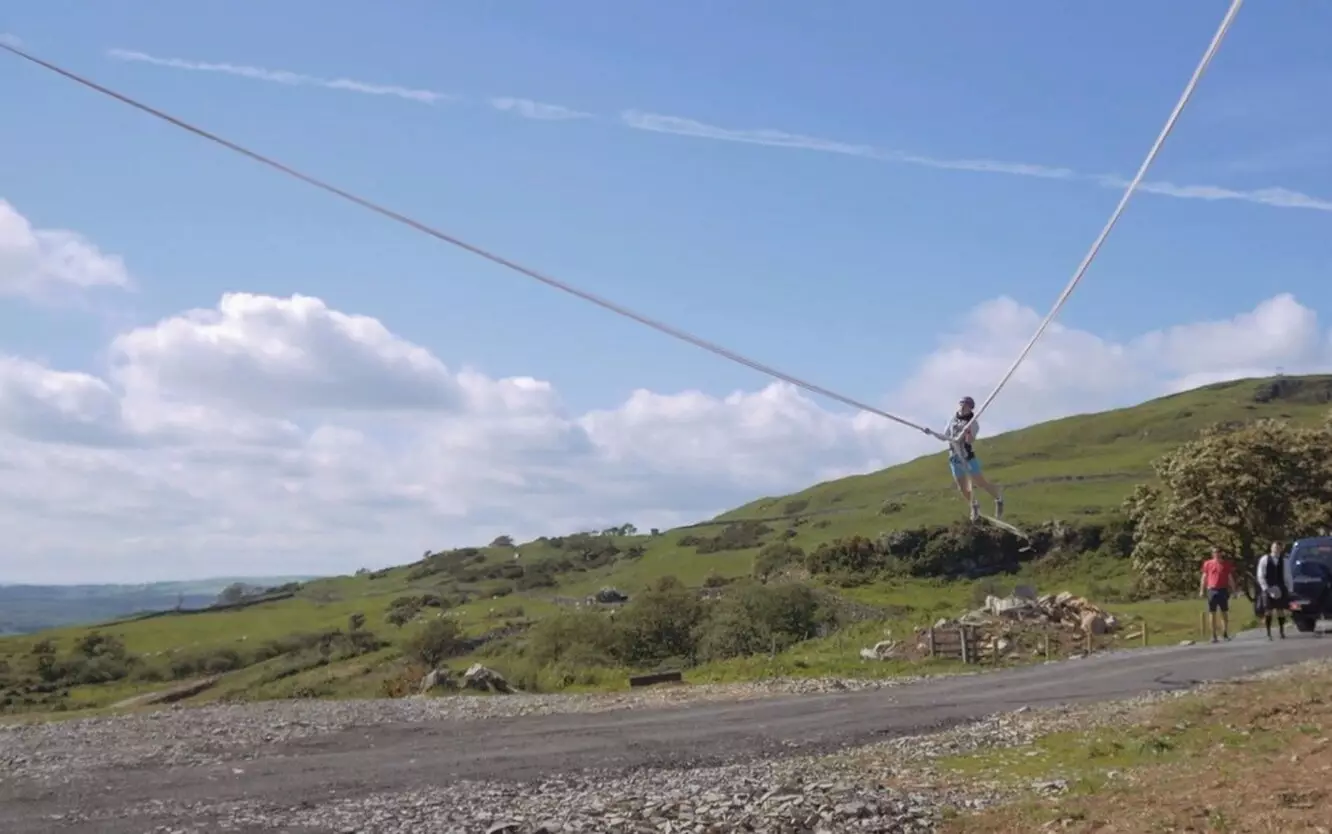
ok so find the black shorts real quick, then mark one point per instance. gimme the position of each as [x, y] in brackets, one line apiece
[1264, 605]
[1218, 599]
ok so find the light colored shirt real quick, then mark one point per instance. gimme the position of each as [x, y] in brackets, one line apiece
[954, 434]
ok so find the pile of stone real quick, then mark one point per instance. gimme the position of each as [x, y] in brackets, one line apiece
[1024, 607]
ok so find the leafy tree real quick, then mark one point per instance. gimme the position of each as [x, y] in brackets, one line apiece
[1236, 487]
[502, 541]
[775, 557]
[582, 638]
[660, 622]
[754, 618]
[435, 642]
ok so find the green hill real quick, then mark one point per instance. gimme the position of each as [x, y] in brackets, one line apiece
[1076, 470]
[29, 608]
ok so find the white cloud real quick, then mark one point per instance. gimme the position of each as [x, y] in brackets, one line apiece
[273, 457]
[10, 40]
[633, 119]
[529, 109]
[293, 79]
[279, 435]
[48, 263]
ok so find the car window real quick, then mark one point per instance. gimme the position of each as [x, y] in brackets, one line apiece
[1313, 558]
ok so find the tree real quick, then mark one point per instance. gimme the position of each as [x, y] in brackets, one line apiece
[436, 642]
[233, 593]
[502, 541]
[660, 622]
[1236, 487]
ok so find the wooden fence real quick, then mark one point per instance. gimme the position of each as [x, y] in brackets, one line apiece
[982, 644]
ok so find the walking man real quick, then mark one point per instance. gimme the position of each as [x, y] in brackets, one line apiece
[1218, 582]
[1273, 595]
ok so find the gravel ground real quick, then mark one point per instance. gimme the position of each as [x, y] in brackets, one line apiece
[886, 787]
[185, 736]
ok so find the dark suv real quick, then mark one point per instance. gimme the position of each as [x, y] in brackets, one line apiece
[1309, 577]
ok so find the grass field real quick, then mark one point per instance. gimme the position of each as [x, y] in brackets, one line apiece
[1076, 469]
[1245, 757]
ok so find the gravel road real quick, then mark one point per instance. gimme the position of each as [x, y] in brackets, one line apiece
[716, 759]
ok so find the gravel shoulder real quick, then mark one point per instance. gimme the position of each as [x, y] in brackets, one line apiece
[725, 760]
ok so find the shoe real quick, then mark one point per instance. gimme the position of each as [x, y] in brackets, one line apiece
[999, 507]
[1269, 635]
[1226, 637]
[1214, 640]
[975, 511]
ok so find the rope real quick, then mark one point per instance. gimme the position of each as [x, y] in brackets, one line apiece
[1119, 209]
[476, 250]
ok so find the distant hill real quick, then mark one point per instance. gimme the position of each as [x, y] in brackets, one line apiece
[1079, 467]
[28, 608]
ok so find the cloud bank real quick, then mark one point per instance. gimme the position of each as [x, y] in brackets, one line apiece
[264, 434]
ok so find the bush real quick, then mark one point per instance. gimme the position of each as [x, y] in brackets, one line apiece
[755, 618]
[853, 555]
[435, 642]
[776, 557]
[739, 535]
[580, 637]
[660, 622]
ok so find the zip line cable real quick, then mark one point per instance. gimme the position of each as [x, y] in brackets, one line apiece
[659, 326]
[1119, 209]
[476, 250]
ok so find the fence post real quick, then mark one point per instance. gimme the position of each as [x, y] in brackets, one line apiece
[931, 641]
[962, 633]
[1144, 633]
[1089, 642]
[1045, 644]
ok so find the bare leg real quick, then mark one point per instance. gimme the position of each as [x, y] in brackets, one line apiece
[964, 487]
[986, 485]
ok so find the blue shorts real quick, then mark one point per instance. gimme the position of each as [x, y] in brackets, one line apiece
[964, 467]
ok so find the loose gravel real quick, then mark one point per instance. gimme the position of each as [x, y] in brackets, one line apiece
[188, 736]
[886, 787]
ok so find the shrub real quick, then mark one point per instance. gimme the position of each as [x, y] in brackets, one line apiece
[755, 618]
[660, 622]
[435, 642]
[776, 557]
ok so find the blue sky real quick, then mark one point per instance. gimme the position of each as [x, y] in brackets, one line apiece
[835, 266]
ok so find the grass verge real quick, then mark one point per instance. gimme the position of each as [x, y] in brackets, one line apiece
[1250, 756]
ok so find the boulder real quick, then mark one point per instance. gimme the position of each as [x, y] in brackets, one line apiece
[438, 679]
[1093, 622]
[483, 679]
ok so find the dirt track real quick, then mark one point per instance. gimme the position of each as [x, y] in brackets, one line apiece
[396, 757]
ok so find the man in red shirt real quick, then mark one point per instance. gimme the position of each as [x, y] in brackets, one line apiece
[1218, 582]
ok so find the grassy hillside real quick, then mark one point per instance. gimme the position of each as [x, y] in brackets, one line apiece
[29, 608]
[1076, 470]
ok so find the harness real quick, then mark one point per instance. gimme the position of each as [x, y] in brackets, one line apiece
[958, 449]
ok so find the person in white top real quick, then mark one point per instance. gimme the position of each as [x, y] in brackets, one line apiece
[962, 460]
[1273, 595]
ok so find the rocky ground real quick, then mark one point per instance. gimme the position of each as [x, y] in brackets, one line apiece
[886, 787]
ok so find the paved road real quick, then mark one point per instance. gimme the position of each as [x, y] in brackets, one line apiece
[406, 756]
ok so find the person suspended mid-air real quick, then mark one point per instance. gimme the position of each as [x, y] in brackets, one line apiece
[962, 460]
